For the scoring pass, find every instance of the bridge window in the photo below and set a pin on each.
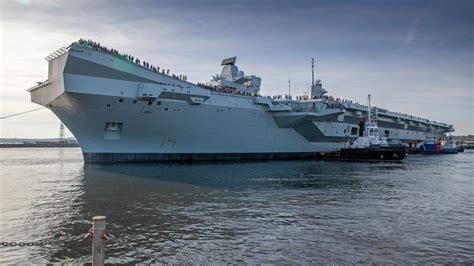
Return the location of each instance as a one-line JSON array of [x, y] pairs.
[[354, 131]]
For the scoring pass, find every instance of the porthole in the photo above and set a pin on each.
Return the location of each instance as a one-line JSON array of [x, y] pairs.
[[166, 109], [134, 101], [108, 105], [120, 100]]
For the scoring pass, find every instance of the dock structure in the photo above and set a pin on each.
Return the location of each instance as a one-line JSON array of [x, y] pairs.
[[98, 240]]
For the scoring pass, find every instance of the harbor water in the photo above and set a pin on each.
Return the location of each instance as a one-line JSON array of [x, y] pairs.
[[285, 212]]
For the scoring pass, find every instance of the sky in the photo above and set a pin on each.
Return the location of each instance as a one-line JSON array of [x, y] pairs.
[[413, 57]]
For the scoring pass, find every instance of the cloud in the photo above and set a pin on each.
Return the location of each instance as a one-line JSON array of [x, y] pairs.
[[411, 34], [413, 57]]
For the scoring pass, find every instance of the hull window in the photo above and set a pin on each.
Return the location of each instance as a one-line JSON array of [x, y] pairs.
[[113, 130], [113, 126]]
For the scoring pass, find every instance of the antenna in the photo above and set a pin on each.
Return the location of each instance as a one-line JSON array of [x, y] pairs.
[[289, 88], [312, 71], [369, 111]]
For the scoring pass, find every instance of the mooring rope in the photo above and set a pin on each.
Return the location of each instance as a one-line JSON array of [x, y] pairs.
[[7, 116]]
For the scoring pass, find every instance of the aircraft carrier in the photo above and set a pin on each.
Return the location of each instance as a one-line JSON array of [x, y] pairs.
[[122, 109]]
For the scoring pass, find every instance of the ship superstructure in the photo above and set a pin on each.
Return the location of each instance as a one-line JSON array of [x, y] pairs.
[[121, 109]]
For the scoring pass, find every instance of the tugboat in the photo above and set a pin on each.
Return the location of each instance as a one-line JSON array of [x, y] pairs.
[[449, 147], [434, 146], [371, 146]]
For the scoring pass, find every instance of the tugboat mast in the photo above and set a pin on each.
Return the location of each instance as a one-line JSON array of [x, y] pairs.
[[368, 111]]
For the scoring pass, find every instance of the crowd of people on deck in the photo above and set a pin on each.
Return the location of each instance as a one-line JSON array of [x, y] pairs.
[[97, 46], [130, 58], [224, 89], [281, 96], [307, 97]]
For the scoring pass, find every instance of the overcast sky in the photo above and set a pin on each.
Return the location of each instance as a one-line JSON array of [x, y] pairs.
[[414, 57]]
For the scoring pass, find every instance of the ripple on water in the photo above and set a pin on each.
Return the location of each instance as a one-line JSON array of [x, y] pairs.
[[286, 212]]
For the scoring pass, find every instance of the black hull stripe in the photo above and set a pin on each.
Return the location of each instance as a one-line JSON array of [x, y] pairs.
[[158, 157]]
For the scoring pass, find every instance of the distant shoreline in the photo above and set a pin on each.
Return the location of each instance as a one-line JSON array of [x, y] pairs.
[[51, 145]]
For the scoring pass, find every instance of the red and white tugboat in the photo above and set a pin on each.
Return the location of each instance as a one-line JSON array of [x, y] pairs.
[[371, 146]]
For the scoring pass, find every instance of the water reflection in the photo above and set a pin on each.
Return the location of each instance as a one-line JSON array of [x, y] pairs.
[[248, 175], [167, 212]]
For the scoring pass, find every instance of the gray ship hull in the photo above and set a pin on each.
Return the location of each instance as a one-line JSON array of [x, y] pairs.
[[121, 111]]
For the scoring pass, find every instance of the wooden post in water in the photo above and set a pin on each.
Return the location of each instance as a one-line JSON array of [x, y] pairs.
[[98, 242]]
